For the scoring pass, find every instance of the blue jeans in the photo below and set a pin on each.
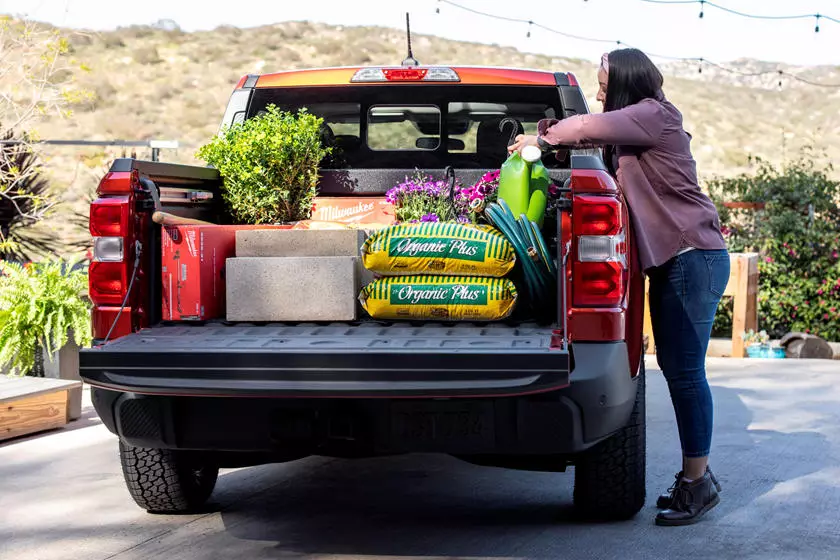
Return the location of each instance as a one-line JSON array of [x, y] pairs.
[[684, 296]]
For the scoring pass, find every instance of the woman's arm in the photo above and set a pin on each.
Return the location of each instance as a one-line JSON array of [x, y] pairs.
[[637, 125]]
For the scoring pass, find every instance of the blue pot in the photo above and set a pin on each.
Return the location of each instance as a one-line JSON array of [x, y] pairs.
[[766, 352]]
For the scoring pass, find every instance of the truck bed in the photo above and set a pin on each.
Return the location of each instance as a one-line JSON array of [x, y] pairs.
[[329, 360]]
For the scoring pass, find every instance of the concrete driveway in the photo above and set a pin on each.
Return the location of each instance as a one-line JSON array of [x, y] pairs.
[[776, 451]]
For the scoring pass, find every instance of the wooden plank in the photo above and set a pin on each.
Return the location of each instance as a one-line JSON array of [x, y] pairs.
[[745, 311], [648, 328], [33, 414], [15, 388]]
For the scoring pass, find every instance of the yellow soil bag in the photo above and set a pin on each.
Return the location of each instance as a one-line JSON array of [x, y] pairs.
[[441, 298], [438, 248]]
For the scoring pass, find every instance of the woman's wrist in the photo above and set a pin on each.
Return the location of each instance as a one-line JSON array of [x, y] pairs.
[[544, 145]]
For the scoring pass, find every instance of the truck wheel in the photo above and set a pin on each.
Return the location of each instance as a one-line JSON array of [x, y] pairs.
[[610, 477], [165, 480]]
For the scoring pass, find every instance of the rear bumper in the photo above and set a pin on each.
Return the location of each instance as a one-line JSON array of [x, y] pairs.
[[522, 408]]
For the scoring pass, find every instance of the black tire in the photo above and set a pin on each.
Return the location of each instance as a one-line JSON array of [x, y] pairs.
[[610, 477], [165, 480]]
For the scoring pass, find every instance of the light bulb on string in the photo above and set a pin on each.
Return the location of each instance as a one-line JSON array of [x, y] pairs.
[[437, 9], [702, 6], [780, 79], [528, 34], [817, 28]]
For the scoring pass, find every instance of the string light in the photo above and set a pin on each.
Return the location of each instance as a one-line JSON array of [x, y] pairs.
[[528, 35], [701, 61], [704, 3]]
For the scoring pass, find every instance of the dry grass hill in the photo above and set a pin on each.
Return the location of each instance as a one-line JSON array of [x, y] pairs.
[[153, 83]]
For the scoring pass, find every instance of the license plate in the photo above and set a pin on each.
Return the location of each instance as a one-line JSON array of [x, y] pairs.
[[439, 425]]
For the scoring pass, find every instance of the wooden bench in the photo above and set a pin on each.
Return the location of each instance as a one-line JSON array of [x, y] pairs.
[[743, 286], [33, 404]]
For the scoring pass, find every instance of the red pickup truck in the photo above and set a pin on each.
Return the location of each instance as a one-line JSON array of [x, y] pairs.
[[188, 398]]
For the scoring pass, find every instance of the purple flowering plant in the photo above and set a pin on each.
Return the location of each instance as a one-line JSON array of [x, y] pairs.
[[421, 198]]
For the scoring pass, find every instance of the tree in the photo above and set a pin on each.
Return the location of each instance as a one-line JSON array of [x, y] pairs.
[[36, 79]]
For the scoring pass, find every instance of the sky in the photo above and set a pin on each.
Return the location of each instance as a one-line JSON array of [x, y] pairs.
[[674, 30]]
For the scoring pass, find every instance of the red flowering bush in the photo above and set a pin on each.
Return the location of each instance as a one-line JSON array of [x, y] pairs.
[[797, 234]]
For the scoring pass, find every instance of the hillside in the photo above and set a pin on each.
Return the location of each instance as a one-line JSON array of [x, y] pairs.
[[153, 83]]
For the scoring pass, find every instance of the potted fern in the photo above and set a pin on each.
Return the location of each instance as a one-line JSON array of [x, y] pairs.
[[44, 317]]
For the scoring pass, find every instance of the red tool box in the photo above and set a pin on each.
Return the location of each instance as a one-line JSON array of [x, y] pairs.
[[193, 266], [353, 209]]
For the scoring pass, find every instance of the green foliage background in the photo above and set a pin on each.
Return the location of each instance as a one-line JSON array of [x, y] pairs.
[[797, 235]]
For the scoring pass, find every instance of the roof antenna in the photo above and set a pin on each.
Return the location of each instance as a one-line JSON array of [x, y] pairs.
[[410, 60]]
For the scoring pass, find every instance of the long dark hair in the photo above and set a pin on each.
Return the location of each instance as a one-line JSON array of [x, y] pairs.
[[632, 78]]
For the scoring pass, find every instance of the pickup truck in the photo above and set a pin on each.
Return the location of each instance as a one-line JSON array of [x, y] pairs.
[[186, 399]]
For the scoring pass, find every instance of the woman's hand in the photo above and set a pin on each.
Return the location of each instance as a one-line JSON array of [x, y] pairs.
[[522, 140]]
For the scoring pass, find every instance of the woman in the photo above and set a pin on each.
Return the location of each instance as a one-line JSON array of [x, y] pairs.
[[681, 248]]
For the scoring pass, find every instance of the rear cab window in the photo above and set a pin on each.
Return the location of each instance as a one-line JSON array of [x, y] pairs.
[[418, 125]]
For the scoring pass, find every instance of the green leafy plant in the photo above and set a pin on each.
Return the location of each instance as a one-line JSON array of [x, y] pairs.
[[40, 304], [797, 235], [269, 165], [24, 201], [760, 338]]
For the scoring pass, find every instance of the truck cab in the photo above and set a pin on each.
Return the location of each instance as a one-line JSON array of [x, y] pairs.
[[186, 398]]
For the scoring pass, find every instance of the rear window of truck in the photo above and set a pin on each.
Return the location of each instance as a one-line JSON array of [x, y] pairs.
[[399, 126]]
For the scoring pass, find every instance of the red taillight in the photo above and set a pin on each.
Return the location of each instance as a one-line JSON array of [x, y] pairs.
[[400, 74], [593, 181], [404, 74], [109, 217], [598, 284], [572, 79], [115, 182], [107, 282], [599, 268], [596, 215]]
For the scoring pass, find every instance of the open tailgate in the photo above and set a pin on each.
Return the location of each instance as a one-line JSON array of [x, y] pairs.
[[335, 360]]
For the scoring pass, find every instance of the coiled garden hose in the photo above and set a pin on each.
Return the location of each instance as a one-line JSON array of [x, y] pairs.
[[538, 269]]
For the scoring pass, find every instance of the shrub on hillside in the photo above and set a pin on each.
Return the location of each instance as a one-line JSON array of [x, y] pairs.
[[146, 55], [797, 235]]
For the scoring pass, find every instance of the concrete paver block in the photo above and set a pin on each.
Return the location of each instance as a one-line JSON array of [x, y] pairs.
[[293, 288], [299, 243]]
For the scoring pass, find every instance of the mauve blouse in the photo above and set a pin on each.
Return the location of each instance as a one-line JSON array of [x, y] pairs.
[[656, 173]]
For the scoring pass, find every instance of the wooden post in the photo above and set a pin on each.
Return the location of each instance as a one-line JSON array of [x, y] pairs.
[[743, 286], [745, 309]]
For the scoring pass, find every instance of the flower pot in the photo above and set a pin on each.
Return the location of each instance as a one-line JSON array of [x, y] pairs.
[[767, 352], [65, 365], [745, 205]]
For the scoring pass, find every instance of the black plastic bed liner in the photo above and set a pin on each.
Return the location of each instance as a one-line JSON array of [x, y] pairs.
[[365, 359]]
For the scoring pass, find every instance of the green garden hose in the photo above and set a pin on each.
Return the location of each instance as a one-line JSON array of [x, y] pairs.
[[538, 269]]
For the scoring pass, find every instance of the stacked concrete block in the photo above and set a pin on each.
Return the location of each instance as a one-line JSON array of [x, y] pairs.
[[295, 275]]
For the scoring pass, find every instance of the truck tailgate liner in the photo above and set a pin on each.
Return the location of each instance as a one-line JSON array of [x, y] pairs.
[[366, 359]]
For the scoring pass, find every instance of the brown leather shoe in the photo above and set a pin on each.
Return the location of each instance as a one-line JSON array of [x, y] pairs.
[[664, 500], [691, 501]]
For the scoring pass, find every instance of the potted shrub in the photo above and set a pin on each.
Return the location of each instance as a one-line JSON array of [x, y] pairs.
[[44, 314], [269, 166], [759, 346]]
